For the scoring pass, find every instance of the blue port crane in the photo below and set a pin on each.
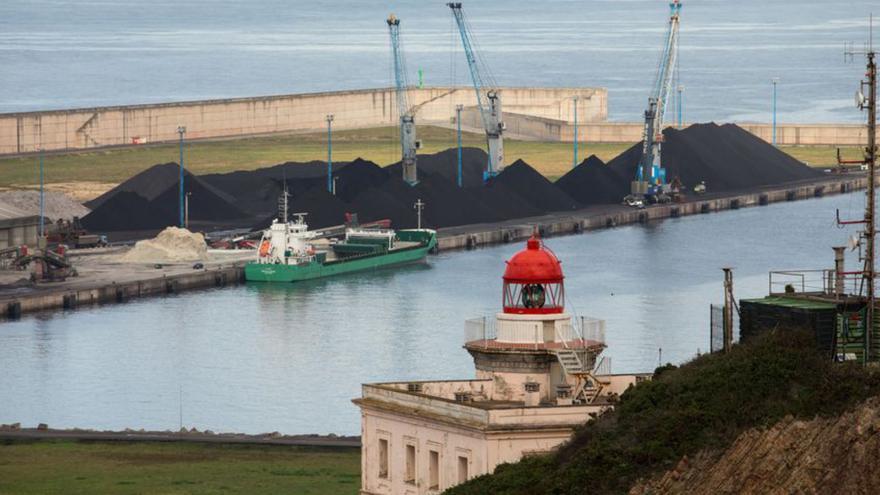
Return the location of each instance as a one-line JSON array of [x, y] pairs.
[[650, 184], [408, 142], [488, 97]]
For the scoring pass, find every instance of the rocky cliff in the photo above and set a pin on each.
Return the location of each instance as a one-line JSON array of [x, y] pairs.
[[833, 455]]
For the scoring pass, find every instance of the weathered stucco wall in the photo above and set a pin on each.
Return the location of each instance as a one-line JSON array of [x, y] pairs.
[[138, 124]]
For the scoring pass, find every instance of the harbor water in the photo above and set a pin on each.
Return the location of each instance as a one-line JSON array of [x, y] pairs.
[[289, 358], [84, 53]]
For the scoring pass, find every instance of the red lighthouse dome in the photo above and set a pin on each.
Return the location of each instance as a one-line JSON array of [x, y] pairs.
[[533, 281]]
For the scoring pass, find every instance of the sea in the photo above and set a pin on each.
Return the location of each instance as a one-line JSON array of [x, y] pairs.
[[59, 54]]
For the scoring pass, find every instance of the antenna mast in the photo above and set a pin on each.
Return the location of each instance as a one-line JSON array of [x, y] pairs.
[[869, 103]]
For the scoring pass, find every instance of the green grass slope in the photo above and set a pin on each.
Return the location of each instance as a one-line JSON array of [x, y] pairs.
[[702, 405], [72, 467]]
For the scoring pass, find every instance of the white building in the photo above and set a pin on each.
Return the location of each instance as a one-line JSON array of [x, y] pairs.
[[538, 376]]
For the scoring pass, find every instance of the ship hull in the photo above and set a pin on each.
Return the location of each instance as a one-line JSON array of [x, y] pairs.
[[258, 272]]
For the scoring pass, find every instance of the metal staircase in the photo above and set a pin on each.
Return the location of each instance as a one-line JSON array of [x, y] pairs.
[[588, 387], [571, 361]]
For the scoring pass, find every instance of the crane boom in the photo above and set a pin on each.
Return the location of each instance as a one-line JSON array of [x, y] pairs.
[[651, 176], [488, 97], [408, 143]]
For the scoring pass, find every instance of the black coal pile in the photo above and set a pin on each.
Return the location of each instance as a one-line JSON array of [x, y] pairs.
[[594, 182], [257, 191], [445, 164], [358, 176], [530, 185], [125, 211], [150, 200], [726, 158], [323, 209]]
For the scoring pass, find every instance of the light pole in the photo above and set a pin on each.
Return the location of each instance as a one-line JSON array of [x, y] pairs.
[[458, 109], [181, 130], [575, 162], [680, 115], [186, 209], [42, 221], [330, 153], [775, 81]]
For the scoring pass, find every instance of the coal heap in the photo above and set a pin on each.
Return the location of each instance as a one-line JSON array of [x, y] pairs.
[[127, 210], [150, 200], [323, 209], [594, 182], [726, 157], [358, 176], [445, 164], [529, 184], [257, 191]]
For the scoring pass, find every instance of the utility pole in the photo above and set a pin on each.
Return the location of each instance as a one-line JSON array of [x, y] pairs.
[[418, 207], [575, 161], [728, 309], [42, 221], [181, 130], [870, 222], [186, 210], [458, 109], [775, 81], [330, 153]]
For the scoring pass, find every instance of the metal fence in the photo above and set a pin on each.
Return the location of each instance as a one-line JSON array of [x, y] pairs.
[[814, 282], [716, 327]]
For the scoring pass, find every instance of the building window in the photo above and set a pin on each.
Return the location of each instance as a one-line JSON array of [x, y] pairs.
[[462, 469], [410, 464], [433, 470], [383, 458]]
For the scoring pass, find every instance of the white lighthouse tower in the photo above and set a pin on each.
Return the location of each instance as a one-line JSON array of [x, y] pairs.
[[539, 375], [534, 350]]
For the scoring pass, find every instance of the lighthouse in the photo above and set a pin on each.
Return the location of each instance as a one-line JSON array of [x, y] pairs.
[[540, 373], [534, 350]]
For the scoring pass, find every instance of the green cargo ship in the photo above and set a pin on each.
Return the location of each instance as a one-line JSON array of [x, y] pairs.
[[289, 252]]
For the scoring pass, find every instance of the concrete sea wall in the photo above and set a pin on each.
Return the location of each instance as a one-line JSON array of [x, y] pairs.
[[541, 114], [211, 119]]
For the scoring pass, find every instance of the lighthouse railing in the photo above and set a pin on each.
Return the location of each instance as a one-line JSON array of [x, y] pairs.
[[479, 329], [591, 329]]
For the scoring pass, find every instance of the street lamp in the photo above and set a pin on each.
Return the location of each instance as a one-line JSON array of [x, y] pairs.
[[181, 130], [575, 161], [775, 81], [458, 109], [330, 153]]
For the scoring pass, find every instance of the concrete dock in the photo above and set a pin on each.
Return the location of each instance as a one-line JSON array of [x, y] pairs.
[[606, 216], [102, 280]]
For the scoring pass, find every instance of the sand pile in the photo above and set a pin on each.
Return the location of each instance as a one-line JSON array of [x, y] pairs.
[[56, 205], [172, 244]]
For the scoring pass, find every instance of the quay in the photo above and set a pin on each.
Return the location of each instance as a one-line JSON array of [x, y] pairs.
[[108, 283]]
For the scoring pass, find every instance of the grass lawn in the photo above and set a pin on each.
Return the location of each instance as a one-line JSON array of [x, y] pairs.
[[379, 145], [170, 468]]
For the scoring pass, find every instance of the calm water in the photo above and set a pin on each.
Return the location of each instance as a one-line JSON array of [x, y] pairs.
[[77, 53], [262, 358]]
